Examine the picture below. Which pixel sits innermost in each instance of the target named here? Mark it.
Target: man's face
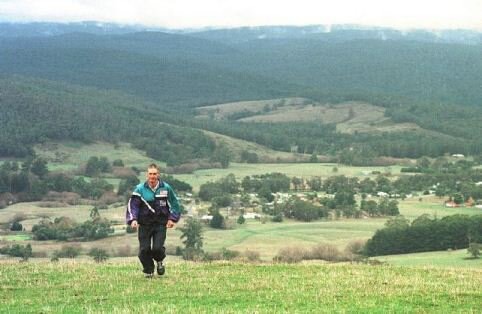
(152, 176)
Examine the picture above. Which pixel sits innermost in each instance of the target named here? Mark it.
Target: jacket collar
(159, 184)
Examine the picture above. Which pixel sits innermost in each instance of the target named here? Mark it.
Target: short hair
(153, 166)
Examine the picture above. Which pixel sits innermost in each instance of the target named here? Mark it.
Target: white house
(206, 218)
(251, 216)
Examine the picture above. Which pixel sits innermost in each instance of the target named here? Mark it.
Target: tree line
(425, 234)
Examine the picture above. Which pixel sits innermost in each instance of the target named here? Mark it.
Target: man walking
(153, 207)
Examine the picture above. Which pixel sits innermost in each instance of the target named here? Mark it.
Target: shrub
(17, 250)
(212, 256)
(109, 197)
(224, 254)
(355, 246)
(290, 255)
(277, 218)
(192, 254)
(69, 251)
(16, 226)
(118, 163)
(218, 221)
(474, 250)
(99, 255)
(229, 254)
(39, 254)
(325, 252)
(252, 256)
(171, 249)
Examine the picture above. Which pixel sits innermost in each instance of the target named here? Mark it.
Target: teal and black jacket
(153, 206)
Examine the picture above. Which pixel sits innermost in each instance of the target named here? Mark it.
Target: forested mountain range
(330, 32)
(434, 83)
(170, 67)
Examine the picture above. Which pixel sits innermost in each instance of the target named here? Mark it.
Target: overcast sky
(434, 14)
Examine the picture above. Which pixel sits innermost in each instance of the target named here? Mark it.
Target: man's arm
(132, 212)
(174, 207)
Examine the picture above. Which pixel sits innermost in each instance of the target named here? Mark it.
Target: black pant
(147, 254)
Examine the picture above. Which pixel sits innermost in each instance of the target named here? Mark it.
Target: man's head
(152, 174)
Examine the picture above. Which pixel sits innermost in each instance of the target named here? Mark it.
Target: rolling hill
(427, 93)
(349, 117)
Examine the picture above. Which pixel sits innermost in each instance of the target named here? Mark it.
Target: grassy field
(70, 155)
(265, 238)
(265, 154)
(118, 287)
(304, 170)
(412, 208)
(349, 117)
(458, 258)
(269, 238)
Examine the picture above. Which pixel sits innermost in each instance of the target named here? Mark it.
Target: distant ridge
(335, 31)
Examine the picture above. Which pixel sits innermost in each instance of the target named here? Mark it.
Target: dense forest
(116, 83)
(34, 111)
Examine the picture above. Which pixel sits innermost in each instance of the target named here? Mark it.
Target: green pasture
(300, 170)
(269, 238)
(265, 238)
(15, 237)
(118, 287)
(65, 156)
(449, 258)
(412, 208)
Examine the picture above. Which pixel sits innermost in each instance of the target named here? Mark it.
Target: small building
(451, 204)
(458, 155)
(206, 218)
(251, 216)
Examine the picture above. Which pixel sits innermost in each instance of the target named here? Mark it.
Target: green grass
(269, 238)
(458, 258)
(265, 154)
(305, 170)
(16, 237)
(349, 117)
(70, 155)
(432, 205)
(118, 287)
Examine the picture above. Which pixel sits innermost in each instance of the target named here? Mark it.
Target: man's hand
(170, 224)
(134, 224)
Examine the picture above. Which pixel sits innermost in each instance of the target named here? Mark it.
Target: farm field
(117, 287)
(69, 155)
(456, 259)
(265, 238)
(349, 117)
(304, 170)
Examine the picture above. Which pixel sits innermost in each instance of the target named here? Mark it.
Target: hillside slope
(34, 111)
(236, 288)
